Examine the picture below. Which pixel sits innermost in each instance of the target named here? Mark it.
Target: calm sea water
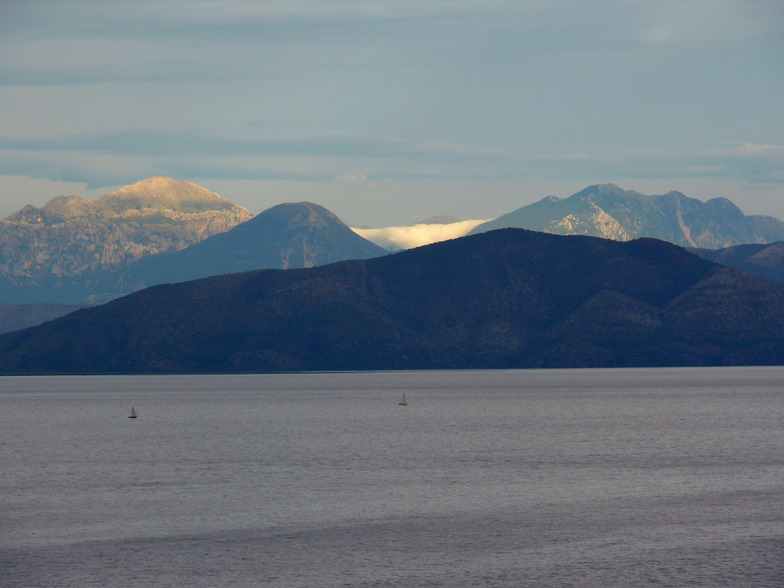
(487, 478)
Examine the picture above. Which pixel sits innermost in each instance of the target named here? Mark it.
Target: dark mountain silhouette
(613, 213)
(21, 316)
(282, 237)
(502, 299)
(765, 260)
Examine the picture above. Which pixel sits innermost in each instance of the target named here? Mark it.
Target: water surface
(487, 478)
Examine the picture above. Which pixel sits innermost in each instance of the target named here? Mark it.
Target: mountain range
(502, 299)
(286, 236)
(605, 210)
(58, 252)
(76, 252)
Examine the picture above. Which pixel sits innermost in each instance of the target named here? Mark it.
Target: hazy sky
(389, 112)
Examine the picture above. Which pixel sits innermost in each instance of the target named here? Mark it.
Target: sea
(623, 477)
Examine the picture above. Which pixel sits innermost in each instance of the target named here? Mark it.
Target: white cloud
(409, 236)
(748, 150)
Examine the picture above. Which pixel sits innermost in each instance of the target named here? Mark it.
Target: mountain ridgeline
(503, 299)
(286, 236)
(763, 260)
(608, 211)
(75, 251)
(14, 317)
(64, 251)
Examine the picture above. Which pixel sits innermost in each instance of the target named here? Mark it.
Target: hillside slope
(763, 260)
(14, 317)
(503, 299)
(285, 236)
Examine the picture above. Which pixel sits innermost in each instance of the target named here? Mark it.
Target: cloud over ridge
(410, 236)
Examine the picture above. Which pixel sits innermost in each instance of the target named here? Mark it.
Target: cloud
(351, 178)
(487, 98)
(745, 161)
(111, 157)
(747, 150)
(89, 41)
(674, 22)
(175, 143)
(406, 237)
(94, 171)
(309, 157)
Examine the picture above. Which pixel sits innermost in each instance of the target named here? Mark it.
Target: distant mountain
(502, 299)
(49, 254)
(613, 213)
(285, 236)
(765, 261)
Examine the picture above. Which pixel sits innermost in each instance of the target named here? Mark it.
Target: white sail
(133, 414)
(403, 401)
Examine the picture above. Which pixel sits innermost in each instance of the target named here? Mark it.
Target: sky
(391, 112)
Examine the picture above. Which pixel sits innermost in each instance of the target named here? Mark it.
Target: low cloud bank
(409, 236)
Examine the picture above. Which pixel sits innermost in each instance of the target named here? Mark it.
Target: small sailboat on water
(403, 401)
(133, 414)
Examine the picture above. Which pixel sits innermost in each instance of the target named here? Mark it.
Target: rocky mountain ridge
(70, 235)
(293, 235)
(43, 249)
(607, 211)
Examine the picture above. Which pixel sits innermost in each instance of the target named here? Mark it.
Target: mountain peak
(153, 194)
(301, 211)
(158, 184)
(299, 215)
(28, 214)
(606, 210)
(163, 193)
(612, 190)
(54, 252)
(290, 235)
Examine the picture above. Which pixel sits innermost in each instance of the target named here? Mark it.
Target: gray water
(487, 478)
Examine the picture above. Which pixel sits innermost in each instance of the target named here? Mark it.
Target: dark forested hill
(502, 299)
(764, 260)
(21, 316)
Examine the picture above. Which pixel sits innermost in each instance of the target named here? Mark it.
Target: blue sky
(390, 112)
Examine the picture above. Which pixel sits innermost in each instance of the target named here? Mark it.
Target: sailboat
(403, 401)
(133, 414)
